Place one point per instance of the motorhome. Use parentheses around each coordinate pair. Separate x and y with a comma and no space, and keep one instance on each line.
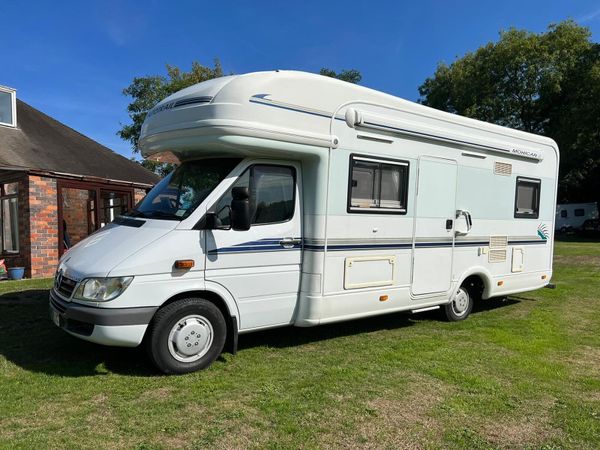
(571,216)
(304,200)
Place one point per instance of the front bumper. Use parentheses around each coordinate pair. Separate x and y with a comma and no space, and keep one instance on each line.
(123,327)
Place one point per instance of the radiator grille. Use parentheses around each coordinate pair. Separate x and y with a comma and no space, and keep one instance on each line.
(498,242)
(65,286)
(498,248)
(501,168)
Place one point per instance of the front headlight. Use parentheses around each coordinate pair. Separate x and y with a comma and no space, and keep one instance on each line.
(102,289)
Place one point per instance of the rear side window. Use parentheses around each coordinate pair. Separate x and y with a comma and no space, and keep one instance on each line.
(377,186)
(579,212)
(272,195)
(527,198)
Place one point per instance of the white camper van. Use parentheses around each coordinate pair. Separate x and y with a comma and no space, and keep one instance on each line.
(570,216)
(304,200)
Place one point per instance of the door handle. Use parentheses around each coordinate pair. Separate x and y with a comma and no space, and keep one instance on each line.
(290,242)
(468,220)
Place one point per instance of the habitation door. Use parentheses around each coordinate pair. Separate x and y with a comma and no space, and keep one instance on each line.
(261,266)
(433,239)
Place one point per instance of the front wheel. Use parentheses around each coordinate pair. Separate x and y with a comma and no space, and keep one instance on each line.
(186,336)
(460,307)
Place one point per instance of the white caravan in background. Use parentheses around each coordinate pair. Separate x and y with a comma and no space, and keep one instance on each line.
(304,200)
(570,216)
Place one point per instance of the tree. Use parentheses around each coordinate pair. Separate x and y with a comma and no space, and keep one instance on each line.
(351,75)
(147,91)
(546,83)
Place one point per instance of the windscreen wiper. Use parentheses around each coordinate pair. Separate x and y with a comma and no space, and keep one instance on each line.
(162,215)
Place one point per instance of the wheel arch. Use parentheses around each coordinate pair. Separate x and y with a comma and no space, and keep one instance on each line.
(223,300)
(483,275)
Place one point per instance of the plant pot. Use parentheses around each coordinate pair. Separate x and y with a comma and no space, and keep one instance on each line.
(16,273)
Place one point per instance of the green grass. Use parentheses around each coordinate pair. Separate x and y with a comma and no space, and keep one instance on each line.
(520,373)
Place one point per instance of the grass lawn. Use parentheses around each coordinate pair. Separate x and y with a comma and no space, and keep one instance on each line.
(520,373)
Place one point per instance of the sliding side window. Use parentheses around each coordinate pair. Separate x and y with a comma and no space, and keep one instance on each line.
(377,185)
(527,198)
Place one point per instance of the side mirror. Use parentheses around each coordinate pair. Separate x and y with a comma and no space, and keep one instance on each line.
(240,208)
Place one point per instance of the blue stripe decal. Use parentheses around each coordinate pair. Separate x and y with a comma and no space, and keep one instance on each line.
(272,245)
(291,109)
(540,241)
(262,100)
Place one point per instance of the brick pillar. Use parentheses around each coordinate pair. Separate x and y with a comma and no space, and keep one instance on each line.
(43,226)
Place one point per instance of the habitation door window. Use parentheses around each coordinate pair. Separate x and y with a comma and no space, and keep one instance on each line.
(527,198)
(9,214)
(377,185)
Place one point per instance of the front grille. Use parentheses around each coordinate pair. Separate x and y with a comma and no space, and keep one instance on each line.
(65,286)
(57,305)
(78,327)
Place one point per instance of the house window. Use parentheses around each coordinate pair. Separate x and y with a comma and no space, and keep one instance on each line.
(9,208)
(377,185)
(579,212)
(7,107)
(527,198)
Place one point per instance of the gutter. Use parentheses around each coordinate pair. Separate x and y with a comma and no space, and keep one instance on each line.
(72,176)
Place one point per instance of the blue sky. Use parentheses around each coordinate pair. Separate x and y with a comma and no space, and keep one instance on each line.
(71,59)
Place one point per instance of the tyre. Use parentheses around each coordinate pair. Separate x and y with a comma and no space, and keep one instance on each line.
(460,307)
(186,335)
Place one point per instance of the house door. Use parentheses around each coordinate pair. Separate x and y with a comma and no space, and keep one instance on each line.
(433,238)
(84,208)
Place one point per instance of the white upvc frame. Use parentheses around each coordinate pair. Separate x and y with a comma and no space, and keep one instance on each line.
(13,101)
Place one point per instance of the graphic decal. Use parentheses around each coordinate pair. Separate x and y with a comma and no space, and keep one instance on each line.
(542,231)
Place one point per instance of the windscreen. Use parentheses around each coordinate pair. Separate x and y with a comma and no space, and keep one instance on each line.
(177,195)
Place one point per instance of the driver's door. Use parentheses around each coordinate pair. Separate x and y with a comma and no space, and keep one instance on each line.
(260,266)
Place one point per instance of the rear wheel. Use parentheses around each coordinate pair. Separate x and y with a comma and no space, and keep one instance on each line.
(461,306)
(186,336)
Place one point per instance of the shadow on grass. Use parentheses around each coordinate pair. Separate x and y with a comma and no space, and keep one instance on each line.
(577,238)
(31,341)
(293,336)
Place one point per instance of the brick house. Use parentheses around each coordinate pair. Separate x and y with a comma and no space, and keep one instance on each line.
(56,186)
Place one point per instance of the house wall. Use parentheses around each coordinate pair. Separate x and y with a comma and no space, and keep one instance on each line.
(39,222)
(43,226)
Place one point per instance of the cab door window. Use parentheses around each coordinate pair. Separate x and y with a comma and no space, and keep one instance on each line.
(272,195)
